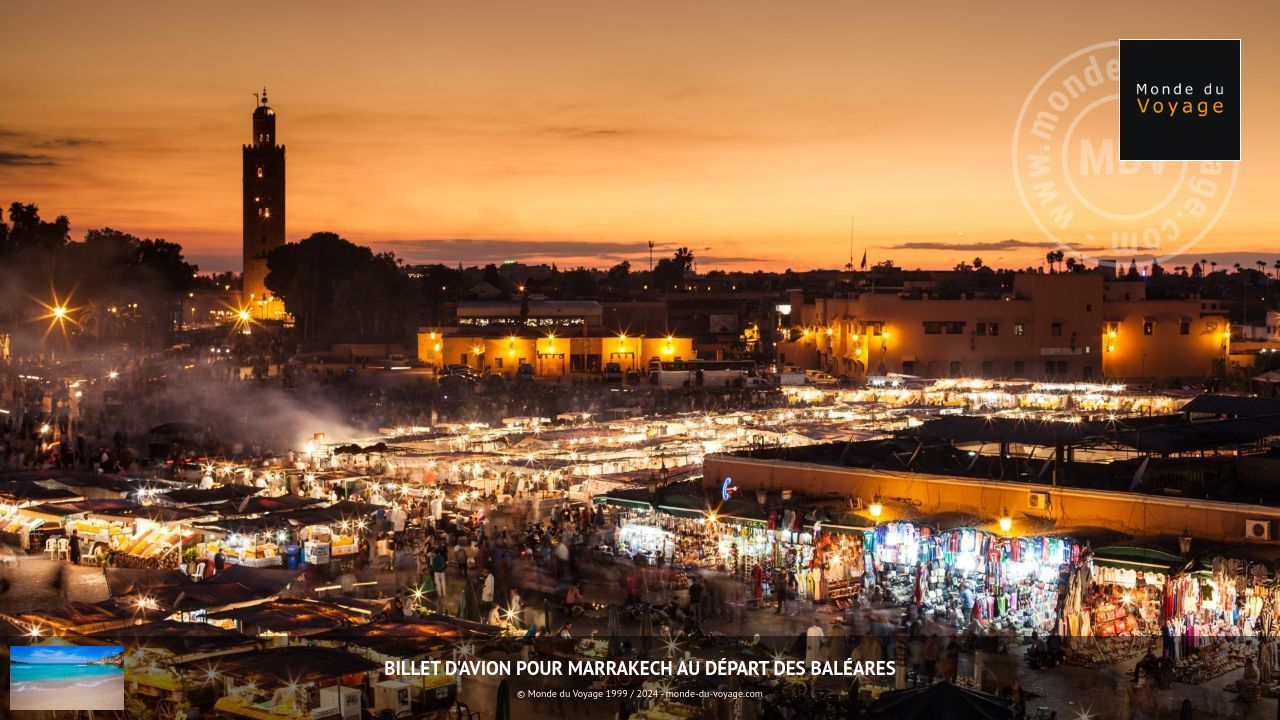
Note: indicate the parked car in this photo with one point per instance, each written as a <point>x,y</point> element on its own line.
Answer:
<point>612,372</point>
<point>463,371</point>
<point>524,373</point>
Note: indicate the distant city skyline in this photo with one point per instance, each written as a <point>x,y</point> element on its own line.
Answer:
<point>576,133</point>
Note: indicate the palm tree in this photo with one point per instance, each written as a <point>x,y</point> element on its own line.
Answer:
<point>1262,266</point>
<point>1277,267</point>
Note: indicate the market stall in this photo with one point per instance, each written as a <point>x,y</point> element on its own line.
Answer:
<point>970,574</point>
<point>435,637</point>
<point>294,682</point>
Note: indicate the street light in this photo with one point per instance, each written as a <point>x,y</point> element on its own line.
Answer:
<point>876,507</point>
<point>1006,522</point>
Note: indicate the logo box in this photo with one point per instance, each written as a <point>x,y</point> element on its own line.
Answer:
<point>1180,99</point>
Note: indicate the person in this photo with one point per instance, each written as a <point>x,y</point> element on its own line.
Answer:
<point>951,661</point>
<point>439,564</point>
<point>486,591</point>
<point>780,589</point>
<point>1148,664</point>
<point>695,597</point>
<point>73,548</point>
<point>966,604</point>
<point>383,551</point>
<point>394,611</point>
<point>219,561</point>
<point>573,600</point>
<point>813,642</point>
<point>932,649</point>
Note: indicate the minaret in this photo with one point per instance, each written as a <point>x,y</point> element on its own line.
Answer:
<point>263,210</point>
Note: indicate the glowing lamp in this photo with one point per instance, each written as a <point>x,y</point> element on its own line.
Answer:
<point>1006,522</point>
<point>876,507</point>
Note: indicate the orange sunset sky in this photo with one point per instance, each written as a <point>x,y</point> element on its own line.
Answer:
<point>577,132</point>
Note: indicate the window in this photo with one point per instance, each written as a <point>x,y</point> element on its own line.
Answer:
<point>1148,328</point>
<point>988,368</point>
<point>943,327</point>
<point>908,367</point>
<point>1056,329</point>
<point>1019,368</point>
<point>462,359</point>
<point>955,368</point>
<point>1184,327</point>
<point>1087,373</point>
<point>987,329</point>
<point>1088,307</point>
<point>259,171</point>
<point>497,362</point>
<point>1019,329</point>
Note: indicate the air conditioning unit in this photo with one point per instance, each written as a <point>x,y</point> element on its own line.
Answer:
<point>1038,500</point>
<point>1257,529</point>
<point>392,695</point>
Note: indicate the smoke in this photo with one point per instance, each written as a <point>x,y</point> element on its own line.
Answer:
<point>236,417</point>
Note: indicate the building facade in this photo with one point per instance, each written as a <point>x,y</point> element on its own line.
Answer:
<point>264,211</point>
<point>1068,327</point>
<point>555,337</point>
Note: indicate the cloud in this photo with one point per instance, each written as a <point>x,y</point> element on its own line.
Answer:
<point>586,132</point>
<point>67,142</point>
<point>17,159</point>
<point>588,252</point>
<point>979,245</point>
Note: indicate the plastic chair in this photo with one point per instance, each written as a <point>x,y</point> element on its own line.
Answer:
<point>199,573</point>
<point>64,548</point>
<point>51,547</point>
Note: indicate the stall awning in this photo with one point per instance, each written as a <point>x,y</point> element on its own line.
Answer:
<point>1141,559</point>
<point>285,665</point>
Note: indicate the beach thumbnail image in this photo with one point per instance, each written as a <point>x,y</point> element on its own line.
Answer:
<point>66,677</point>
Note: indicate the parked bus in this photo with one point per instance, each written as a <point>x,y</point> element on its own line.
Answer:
<point>705,373</point>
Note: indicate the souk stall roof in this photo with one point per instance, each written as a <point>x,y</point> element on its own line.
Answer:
<point>179,638</point>
<point>1021,431</point>
<point>695,506</point>
<point>155,513</point>
<point>354,449</point>
<point>258,504</point>
<point>73,479</point>
<point>411,637</point>
<point>636,499</point>
<point>73,617</point>
<point>1137,558</point>
<point>284,665</point>
<point>1206,435</point>
<point>236,585</point>
<point>246,525</point>
<point>58,511</point>
<point>337,512</point>
<point>207,496</point>
<point>295,617</point>
<point>20,491</point>
<point>128,581</point>
<point>940,700</point>
<point>1234,406</point>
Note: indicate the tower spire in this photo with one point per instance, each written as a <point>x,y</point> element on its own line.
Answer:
<point>264,94</point>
